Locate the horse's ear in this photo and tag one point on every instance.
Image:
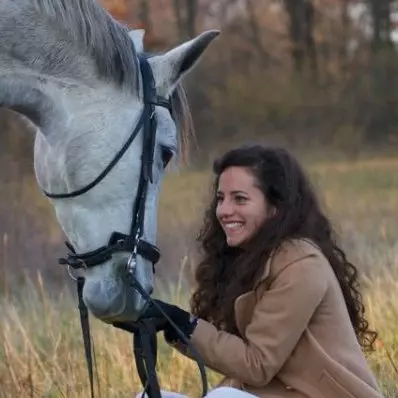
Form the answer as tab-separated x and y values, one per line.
137	37
170	67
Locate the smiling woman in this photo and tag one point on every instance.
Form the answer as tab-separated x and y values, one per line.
277	308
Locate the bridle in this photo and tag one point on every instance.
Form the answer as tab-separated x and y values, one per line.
144	330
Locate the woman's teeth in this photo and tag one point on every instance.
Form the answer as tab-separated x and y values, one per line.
233	225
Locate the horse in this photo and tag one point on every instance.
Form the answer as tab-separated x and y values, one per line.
108	118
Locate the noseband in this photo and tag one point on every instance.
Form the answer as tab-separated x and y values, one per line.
145	343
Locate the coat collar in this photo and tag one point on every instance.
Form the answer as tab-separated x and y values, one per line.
288	252
266	272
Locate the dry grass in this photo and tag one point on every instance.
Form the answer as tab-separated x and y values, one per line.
41	353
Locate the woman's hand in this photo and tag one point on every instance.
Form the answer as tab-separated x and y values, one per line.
181	318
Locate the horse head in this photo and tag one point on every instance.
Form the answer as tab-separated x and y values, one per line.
109	118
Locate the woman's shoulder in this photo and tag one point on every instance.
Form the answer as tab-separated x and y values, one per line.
293	251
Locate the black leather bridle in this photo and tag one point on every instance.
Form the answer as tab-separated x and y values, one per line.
144	330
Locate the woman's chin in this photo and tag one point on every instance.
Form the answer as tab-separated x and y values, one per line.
234	241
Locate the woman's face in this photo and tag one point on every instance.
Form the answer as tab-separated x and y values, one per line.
241	206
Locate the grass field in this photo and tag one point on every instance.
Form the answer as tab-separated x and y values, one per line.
41	352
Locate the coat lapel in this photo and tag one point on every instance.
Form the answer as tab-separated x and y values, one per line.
244	306
245	303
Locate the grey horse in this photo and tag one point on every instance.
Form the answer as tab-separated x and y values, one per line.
72	70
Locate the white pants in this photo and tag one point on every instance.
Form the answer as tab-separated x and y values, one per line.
220	392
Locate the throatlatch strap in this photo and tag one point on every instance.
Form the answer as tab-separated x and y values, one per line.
85	325
145	353
146	366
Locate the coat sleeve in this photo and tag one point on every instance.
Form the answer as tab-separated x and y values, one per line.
279	318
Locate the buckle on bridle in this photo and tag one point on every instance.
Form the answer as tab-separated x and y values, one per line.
132	261
131	264
70	273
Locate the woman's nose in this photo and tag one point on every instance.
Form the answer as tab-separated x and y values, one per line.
225	208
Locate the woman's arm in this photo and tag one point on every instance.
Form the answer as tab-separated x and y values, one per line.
279	319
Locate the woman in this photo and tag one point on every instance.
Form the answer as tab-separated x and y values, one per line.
277	308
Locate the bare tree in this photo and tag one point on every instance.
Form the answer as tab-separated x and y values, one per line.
186	13
380	11
255	34
178	12
344	37
192	11
301	32
144	15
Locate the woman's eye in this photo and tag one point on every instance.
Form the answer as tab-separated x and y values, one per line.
167	155
240	199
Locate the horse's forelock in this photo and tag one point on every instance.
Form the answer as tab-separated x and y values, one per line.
183	118
107	41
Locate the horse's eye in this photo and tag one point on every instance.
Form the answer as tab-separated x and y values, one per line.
167	155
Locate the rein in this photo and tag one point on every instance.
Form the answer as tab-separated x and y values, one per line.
145	330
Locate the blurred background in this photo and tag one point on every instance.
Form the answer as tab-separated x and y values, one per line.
316	76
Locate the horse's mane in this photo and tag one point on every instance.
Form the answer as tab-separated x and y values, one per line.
88	24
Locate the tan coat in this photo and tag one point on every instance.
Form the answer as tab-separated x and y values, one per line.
298	339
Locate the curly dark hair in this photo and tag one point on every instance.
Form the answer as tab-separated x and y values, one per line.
226	272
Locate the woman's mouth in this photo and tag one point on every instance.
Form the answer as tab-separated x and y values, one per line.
233	226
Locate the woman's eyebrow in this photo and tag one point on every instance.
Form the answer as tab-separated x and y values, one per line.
239	192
